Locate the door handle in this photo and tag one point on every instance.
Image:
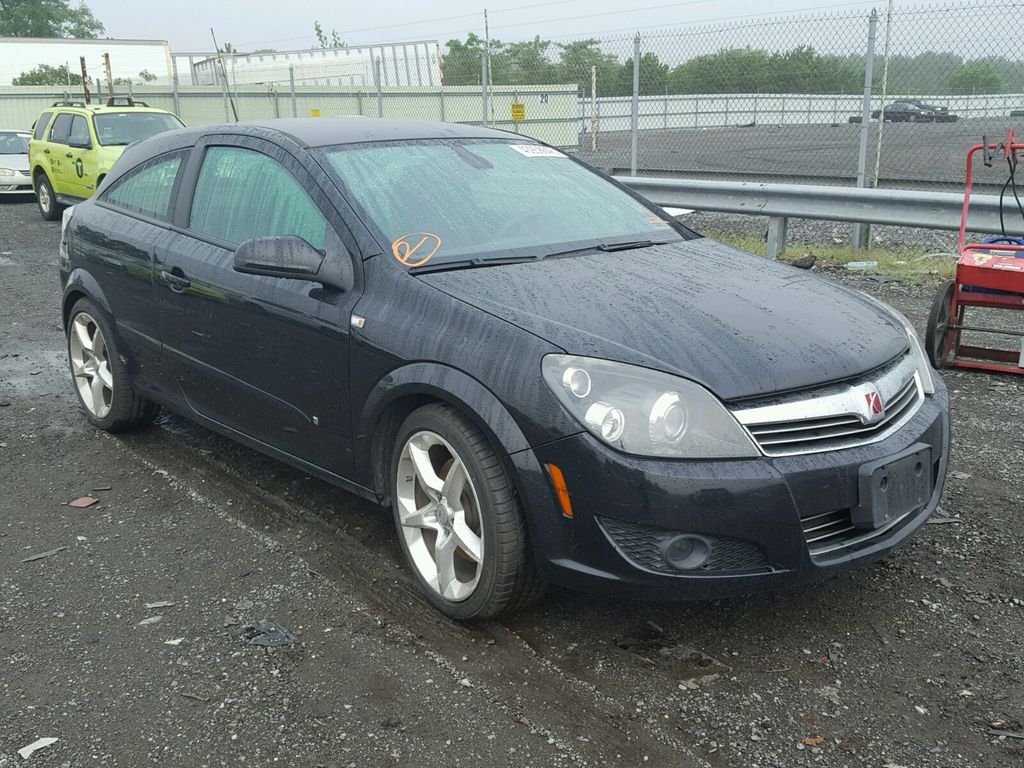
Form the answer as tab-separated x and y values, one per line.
46	151
69	155
176	283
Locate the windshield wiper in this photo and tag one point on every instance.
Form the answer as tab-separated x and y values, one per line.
443	266
629	246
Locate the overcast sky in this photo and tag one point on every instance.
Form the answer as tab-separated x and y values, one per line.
252	24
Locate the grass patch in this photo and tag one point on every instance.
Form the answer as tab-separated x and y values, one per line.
909	265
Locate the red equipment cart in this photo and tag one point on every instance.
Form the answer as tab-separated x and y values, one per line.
989	274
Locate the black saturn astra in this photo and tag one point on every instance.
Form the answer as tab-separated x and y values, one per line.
543	375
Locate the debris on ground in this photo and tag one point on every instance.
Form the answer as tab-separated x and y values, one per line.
42	555
159	604
805	262
267	633
26	752
177	641
83	501
150	620
861	266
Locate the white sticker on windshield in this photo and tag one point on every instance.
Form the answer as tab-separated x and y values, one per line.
536	150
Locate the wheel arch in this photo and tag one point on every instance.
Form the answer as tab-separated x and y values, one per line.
81	285
412	386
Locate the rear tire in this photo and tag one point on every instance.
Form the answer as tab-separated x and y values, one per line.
100	375
49	208
458	519
938	326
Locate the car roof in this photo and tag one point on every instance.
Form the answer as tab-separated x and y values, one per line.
307	133
323	132
15	130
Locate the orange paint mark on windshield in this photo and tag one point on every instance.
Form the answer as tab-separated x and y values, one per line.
416	249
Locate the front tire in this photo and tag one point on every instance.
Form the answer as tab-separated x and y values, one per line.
458	519
100	375
49	208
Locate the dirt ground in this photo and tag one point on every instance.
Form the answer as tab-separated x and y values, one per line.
916	661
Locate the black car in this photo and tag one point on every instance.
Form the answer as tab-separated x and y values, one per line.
544	376
906	112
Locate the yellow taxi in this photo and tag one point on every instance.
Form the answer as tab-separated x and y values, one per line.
74	145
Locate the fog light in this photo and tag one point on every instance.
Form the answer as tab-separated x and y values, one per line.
686	552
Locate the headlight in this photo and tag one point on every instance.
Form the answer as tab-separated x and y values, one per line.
924	368
645	412
8	172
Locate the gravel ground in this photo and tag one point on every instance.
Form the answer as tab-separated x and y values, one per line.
915	661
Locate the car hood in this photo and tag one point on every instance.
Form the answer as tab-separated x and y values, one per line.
739	324
17	162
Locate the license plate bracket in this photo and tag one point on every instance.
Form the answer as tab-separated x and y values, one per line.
893	486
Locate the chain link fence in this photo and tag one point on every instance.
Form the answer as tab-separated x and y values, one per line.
779	99
784	99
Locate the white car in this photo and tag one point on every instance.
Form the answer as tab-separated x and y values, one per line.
14	171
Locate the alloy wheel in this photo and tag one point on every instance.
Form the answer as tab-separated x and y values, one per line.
439	514
44	196
90	365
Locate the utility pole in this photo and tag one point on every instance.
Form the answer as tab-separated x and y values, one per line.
85	80
110	79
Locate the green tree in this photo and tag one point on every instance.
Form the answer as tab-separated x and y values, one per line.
653	76
524	63
975	77
47	18
736	70
146	76
576	60
462	62
227	48
44	74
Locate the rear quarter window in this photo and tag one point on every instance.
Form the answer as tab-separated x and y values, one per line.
41	124
148	189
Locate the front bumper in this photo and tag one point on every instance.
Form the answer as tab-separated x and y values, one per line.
15	185
753	512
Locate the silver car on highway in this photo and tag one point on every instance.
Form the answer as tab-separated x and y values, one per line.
14	171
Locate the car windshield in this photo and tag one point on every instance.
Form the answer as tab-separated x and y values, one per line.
121	128
458	199
12	143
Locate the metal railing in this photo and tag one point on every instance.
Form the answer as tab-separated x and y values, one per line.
780	202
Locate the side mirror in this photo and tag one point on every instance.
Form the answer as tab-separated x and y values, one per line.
292	257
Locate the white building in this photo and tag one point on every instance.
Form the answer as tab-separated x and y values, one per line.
405	64
128	58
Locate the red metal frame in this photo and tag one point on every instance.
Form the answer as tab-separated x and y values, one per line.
984	265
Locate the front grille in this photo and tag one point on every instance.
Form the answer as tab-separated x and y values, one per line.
23	173
836	416
641	545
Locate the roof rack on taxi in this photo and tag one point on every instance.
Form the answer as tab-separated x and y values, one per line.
125	101
68	104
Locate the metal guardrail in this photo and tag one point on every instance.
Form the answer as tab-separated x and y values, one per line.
780	202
